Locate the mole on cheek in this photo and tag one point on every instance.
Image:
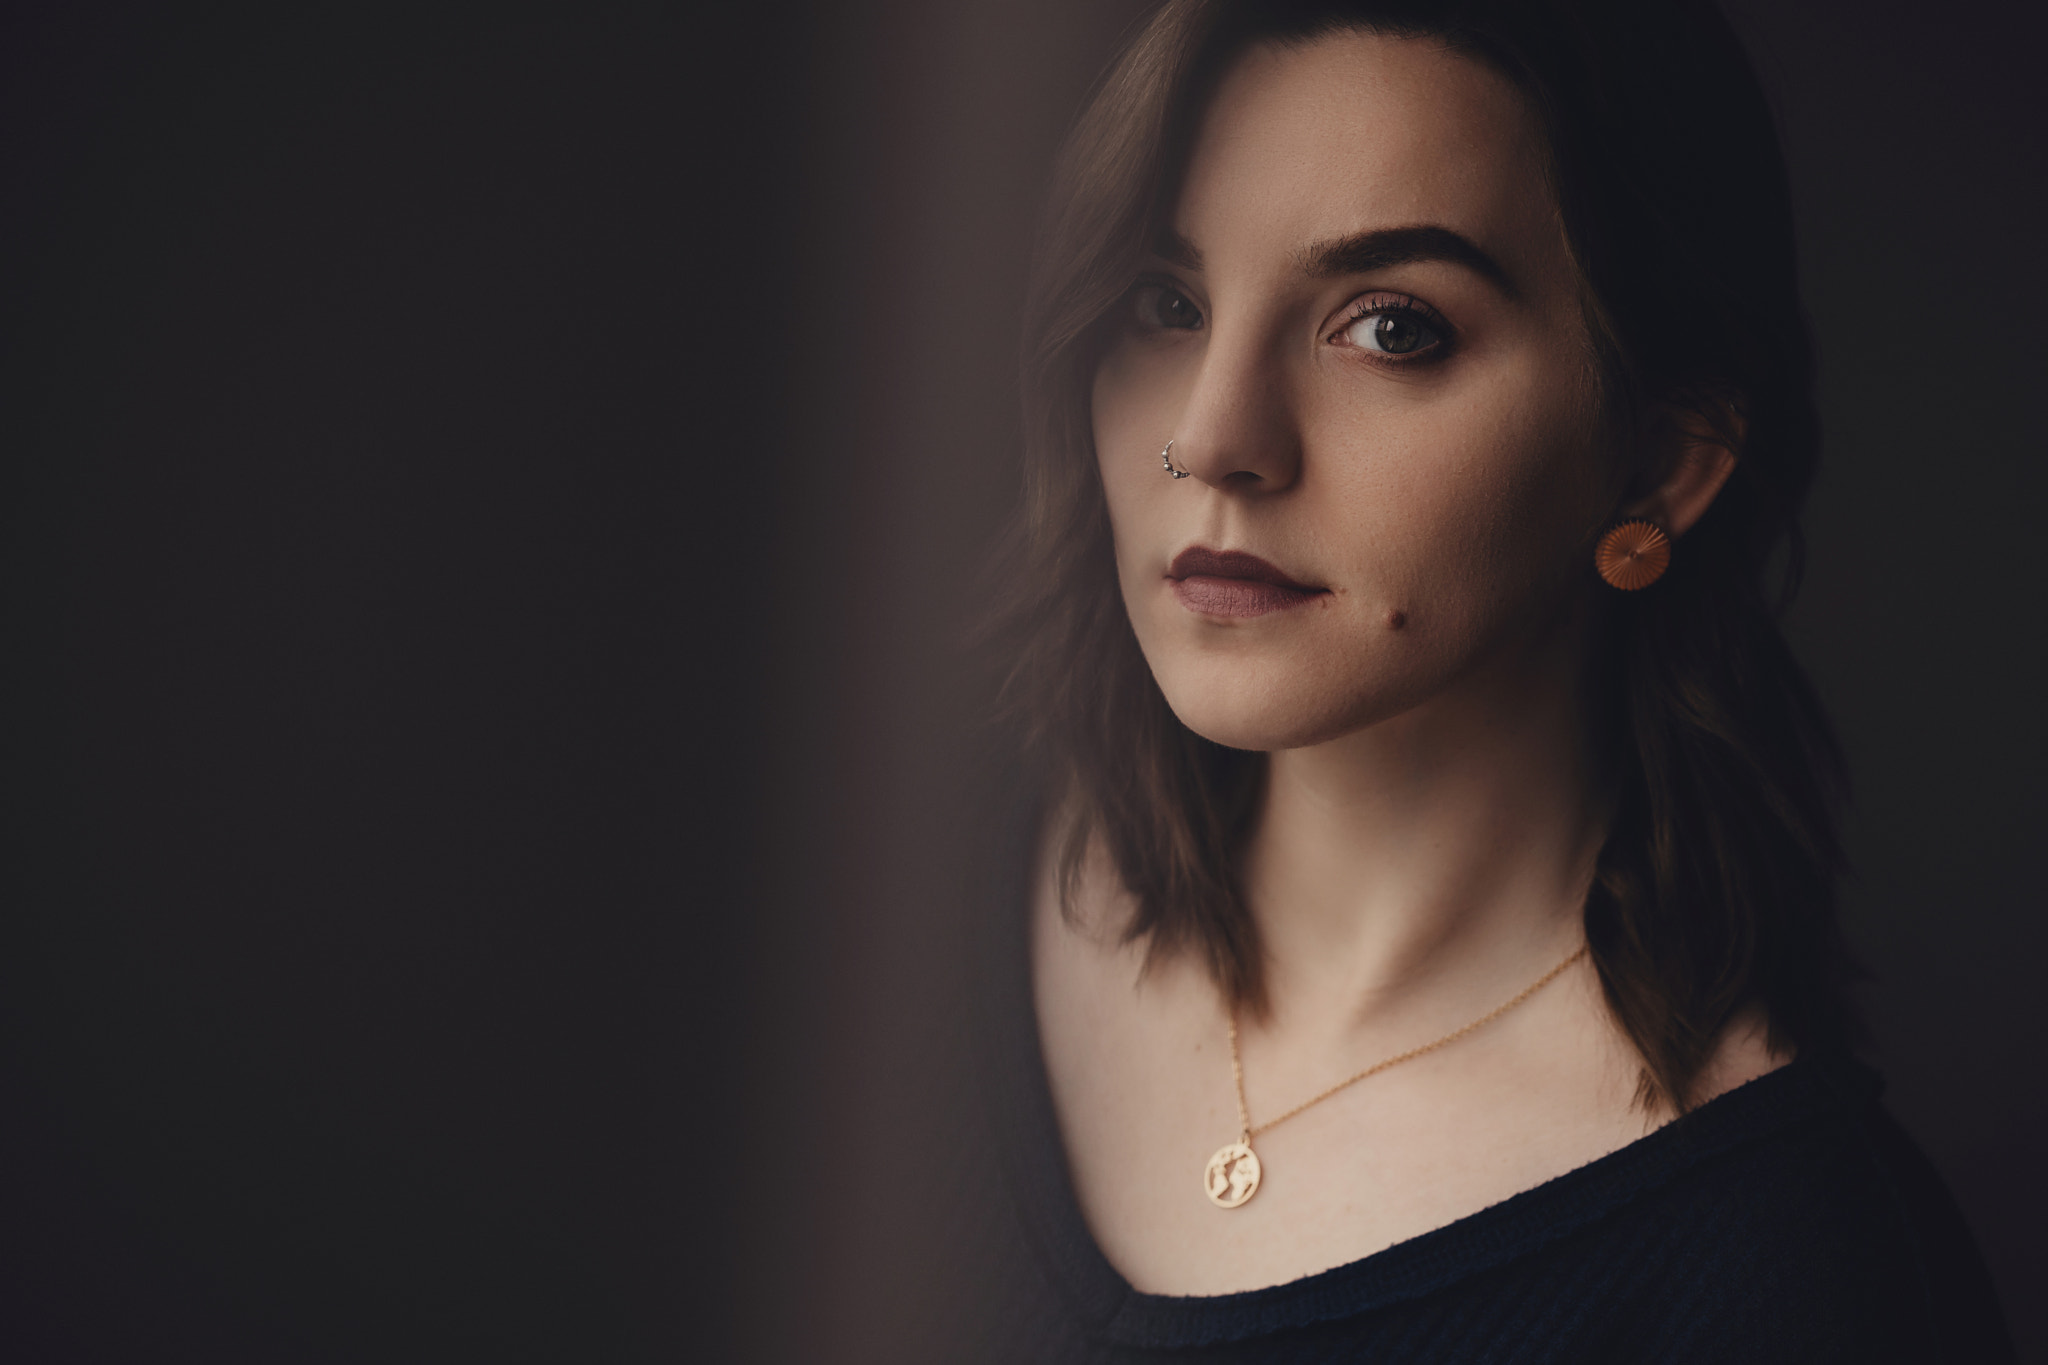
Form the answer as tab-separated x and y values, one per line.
1396	619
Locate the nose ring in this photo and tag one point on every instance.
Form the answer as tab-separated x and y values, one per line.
1166	458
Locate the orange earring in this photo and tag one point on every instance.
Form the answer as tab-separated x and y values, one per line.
1633	554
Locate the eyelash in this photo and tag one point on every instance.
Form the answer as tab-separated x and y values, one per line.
1382	303
1162	284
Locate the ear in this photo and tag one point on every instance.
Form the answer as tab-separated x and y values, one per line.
1695	444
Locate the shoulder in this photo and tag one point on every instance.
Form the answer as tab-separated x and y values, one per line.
1743	1054
1822	1233
1083	955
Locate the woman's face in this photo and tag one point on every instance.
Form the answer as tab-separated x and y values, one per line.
1364	338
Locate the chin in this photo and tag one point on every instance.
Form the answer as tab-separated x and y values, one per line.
1249	709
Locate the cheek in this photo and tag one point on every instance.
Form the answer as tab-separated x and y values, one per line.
1452	522
1467	508
1131	403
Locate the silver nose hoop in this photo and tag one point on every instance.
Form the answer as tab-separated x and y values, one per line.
1166	458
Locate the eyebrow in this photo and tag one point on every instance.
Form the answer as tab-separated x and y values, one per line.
1175	249
1364	252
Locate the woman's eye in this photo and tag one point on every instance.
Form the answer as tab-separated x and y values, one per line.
1392	332
1163	306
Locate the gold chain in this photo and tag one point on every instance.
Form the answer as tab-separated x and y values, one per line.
1244	1117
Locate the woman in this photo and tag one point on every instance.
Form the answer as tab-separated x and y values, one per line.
1431	939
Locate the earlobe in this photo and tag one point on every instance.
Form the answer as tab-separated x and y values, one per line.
1701	455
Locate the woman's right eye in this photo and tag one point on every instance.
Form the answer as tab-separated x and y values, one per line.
1162	307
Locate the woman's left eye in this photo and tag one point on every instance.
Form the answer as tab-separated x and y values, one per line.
1396	330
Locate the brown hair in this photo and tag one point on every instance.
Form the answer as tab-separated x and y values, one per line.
1715	887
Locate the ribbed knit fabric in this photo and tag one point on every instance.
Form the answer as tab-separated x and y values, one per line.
1788	1220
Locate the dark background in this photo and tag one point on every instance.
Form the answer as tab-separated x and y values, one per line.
487	505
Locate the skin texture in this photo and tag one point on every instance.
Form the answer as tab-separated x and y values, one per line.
1432	816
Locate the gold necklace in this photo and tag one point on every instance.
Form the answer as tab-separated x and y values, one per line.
1232	1176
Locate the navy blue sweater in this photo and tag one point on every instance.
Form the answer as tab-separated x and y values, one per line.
1788	1220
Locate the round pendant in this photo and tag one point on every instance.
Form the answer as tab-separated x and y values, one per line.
1232	1176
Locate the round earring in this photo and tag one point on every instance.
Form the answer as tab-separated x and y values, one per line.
1633	554
1166	458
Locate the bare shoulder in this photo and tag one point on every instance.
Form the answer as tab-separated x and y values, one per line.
1082	923
1077	941
1110	1014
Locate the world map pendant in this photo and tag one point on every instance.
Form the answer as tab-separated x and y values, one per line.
1232	1176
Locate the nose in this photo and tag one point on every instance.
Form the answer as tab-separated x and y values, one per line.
1238	432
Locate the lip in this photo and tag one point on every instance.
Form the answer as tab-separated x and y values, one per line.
1234	583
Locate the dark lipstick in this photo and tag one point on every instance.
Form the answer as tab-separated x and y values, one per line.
1233	583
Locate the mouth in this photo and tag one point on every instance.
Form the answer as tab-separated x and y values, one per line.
1233	583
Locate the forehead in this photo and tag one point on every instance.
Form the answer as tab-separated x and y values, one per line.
1356	131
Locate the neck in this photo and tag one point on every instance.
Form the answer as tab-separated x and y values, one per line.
1447	850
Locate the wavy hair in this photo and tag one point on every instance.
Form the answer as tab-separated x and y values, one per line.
1715	885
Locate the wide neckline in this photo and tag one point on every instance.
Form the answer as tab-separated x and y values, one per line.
1110	1308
